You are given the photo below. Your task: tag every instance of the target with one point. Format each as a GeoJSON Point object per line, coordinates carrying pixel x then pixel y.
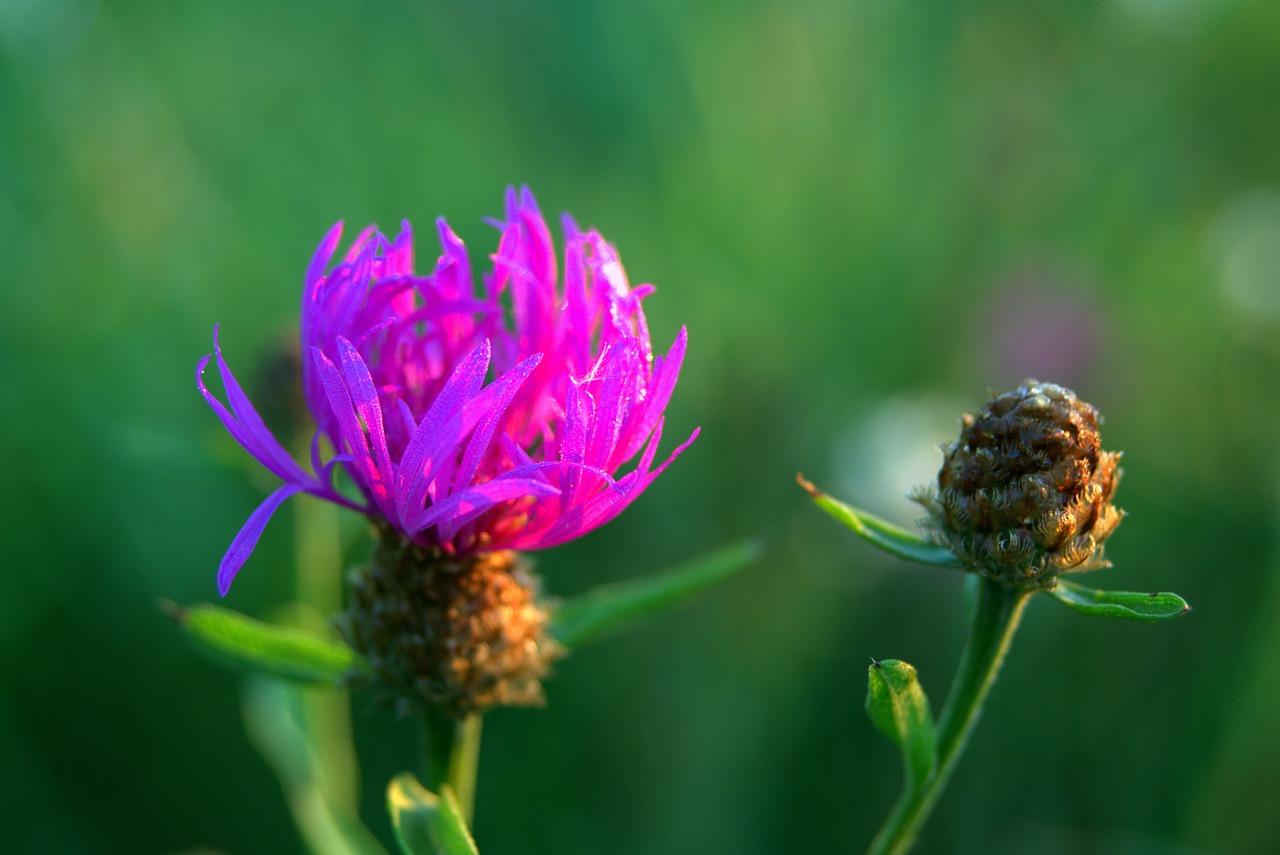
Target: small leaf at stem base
{"type": "Point", "coordinates": [897, 705]}
{"type": "Point", "coordinates": [1121, 604]}
{"type": "Point", "coordinates": [881, 533]}
{"type": "Point", "coordinates": [427, 824]}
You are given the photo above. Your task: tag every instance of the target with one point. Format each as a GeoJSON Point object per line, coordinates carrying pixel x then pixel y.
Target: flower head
{"type": "Point", "coordinates": [469, 422]}
{"type": "Point", "coordinates": [1026, 492]}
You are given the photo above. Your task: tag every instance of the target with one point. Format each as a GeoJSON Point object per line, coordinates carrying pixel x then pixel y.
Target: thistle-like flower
{"type": "Point", "coordinates": [453, 470]}
{"type": "Point", "coordinates": [1025, 494]}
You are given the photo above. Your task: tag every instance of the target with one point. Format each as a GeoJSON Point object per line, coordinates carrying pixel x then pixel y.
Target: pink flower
{"type": "Point", "coordinates": [394, 374]}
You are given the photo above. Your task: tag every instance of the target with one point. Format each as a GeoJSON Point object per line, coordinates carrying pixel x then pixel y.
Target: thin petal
{"type": "Point", "coordinates": [483, 434]}
{"type": "Point", "coordinates": [247, 538]}
{"type": "Point", "coordinates": [472, 501]}
{"type": "Point", "coordinates": [364, 397]}
{"type": "Point", "coordinates": [614, 386]}
{"type": "Point", "coordinates": [246, 426]}
{"type": "Point", "coordinates": [573, 442]}
{"type": "Point", "coordinates": [607, 504]}
{"type": "Point", "coordinates": [661, 385]}
{"type": "Point", "coordinates": [352, 434]}
{"type": "Point", "coordinates": [440, 427]}
{"type": "Point", "coordinates": [358, 246]}
{"type": "Point", "coordinates": [323, 254]}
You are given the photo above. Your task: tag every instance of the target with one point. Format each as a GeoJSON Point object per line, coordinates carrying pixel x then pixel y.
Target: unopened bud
{"type": "Point", "coordinates": [1025, 494]}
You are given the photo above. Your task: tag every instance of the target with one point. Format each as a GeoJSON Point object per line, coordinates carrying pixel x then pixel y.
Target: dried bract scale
{"type": "Point", "coordinates": [463, 634]}
{"type": "Point", "coordinates": [1025, 494]}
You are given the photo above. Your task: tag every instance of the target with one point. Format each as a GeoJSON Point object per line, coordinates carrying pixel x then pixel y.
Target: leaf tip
{"type": "Point", "coordinates": [808, 487]}
{"type": "Point", "coordinates": [172, 610]}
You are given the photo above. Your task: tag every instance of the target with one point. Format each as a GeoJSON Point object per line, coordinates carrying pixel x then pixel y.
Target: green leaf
{"type": "Point", "coordinates": [263, 647]}
{"type": "Point", "coordinates": [1121, 604]}
{"type": "Point", "coordinates": [412, 807]}
{"type": "Point", "coordinates": [281, 728]}
{"type": "Point", "coordinates": [897, 705]}
{"type": "Point", "coordinates": [882, 533]}
{"type": "Point", "coordinates": [427, 824]}
{"type": "Point", "coordinates": [609, 607]}
{"type": "Point", "coordinates": [451, 833]}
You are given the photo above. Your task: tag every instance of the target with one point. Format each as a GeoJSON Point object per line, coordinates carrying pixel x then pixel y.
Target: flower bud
{"type": "Point", "coordinates": [459, 633]}
{"type": "Point", "coordinates": [1025, 494]}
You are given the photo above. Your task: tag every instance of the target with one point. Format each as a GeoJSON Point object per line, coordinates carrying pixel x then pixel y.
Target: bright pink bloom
{"type": "Point", "coordinates": [394, 374]}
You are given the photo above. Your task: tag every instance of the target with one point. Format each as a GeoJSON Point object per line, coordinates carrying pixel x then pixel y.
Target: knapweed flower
{"type": "Point", "coordinates": [1025, 494]}
{"type": "Point", "coordinates": [470, 424]}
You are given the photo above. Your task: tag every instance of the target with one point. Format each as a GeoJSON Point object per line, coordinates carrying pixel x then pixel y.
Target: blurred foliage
{"type": "Point", "coordinates": [868, 213]}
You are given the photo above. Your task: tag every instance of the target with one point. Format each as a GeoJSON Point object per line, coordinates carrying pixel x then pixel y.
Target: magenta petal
{"type": "Point", "coordinates": [365, 399]}
{"type": "Point", "coordinates": [395, 375]}
{"type": "Point", "coordinates": [453, 269]}
{"type": "Point", "coordinates": [400, 253]}
{"type": "Point", "coordinates": [573, 443]}
{"type": "Point", "coordinates": [323, 254]}
{"type": "Point", "coordinates": [604, 506]}
{"type": "Point", "coordinates": [246, 426]}
{"type": "Point", "coordinates": [349, 425]}
{"type": "Point", "coordinates": [662, 384]}
{"type": "Point", "coordinates": [618, 371]}
{"type": "Point", "coordinates": [361, 244]}
{"type": "Point", "coordinates": [355, 285]}
{"type": "Point", "coordinates": [649, 453]}
{"type": "Point", "coordinates": [247, 538]}
{"type": "Point", "coordinates": [577, 305]}
{"type": "Point", "coordinates": [475, 500]}
{"type": "Point", "coordinates": [483, 434]}
{"type": "Point", "coordinates": [440, 429]}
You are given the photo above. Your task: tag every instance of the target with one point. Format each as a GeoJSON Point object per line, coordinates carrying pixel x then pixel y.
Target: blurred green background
{"type": "Point", "coordinates": [867, 213]}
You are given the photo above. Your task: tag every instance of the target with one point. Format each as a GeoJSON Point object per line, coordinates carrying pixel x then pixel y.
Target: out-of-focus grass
{"type": "Point", "coordinates": [861, 210]}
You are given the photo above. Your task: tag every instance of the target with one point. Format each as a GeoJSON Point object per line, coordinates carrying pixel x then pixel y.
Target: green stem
{"type": "Point", "coordinates": [436, 730]}
{"type": "Point", "coordinates": [992, 624]}
{"type": "Point", "coordinates": [450, 753]}
{"type": "Point", "coordinates": [463, 762]}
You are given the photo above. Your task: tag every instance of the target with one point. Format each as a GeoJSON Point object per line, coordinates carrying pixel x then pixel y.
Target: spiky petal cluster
{"type": "Point", "coordinates": [395, 370]}
{"type": "Point", "coordinates": [1026, 492]}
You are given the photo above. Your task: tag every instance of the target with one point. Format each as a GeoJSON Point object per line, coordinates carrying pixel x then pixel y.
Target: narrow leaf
{"type": "Point", "coordinates": [897, 705]}
{"type": "Point", "coordinates": [280, 726]}
{"type": "Point", "coordinates": [412, 807]}
{"type": "Point", "coordinates": [1121, 604]}
{"type": "Point", "coordinates": [263, 647]}
{"type": "Point", "coordinates": [881, 533]}
{"type": "Point", "coordinates": [451, 833]}
{"type": "Point", "coordinates": [609, 607]}
{"type": "Point", "coordinates": [427, 824]}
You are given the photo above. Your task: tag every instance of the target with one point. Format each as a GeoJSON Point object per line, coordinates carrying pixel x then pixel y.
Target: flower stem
{"type": "Point", "coordinates": [450, 753]}
{"type": "Point", "coordinates": [463, 762]}
{"type": "Point", "coordinates": [996, 613]}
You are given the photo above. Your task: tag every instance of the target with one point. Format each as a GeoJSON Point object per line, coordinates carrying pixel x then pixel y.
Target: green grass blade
{"type": "Point", "coordinates": [612, 607]}
{"type": "Point", "coordinates": [276, 720]}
